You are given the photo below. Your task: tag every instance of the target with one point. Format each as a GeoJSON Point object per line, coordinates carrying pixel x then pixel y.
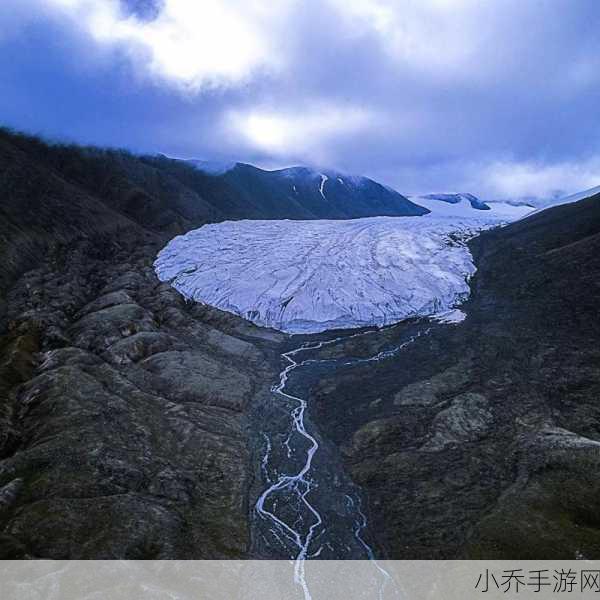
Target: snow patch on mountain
{"type": "Point", "coordinates": [579, 196]}
{"type": "Point", "coordinates": [324, 178]}
{"type": "Point", "coordinates": [456, 198]}
{"type": "Point", "coordinates": [454, 315]}
{"type": "Point", "coordinates": [310, 276]}
{"type": "Point", "coordinates": [501, 211]}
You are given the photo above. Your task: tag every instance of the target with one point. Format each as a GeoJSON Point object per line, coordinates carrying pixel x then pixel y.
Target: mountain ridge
{"type": "Point", "coordinates": [305, 192]}
{"type": "Point", "coordinates": [576, 197]}
{"type": "Point", "coordinates": [475, 202]}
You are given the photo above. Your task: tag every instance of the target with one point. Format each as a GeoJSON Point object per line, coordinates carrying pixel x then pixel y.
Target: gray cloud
{"type": "Point", "coordinates": [497, 98]}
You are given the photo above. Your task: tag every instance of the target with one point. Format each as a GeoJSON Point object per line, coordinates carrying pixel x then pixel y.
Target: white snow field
{"type": "Point", "coordinates": [310, 276]}
{"type": "Point", "coordinates": [501, 211]}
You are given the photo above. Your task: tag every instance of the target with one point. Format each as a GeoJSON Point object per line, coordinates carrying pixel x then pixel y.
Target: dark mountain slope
{"type": "Point", "coordinates": [175, 190]}
{"type": "Point", "coordinates": [301, 193]}
{"type": "Point", "coordinates": [245, 191]}
{"type": "Point", "coordinates": [39, 210]}
{"type": "Point", "coordinates": [123, 410]}
{"type": "Point", "coordinates": [52, 196]}
{"type": "Point", "coordinates": [482, 439]}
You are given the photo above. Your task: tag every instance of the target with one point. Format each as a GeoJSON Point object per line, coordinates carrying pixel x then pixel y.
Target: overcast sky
{"type": "Point", "coordinates": [499, 97]}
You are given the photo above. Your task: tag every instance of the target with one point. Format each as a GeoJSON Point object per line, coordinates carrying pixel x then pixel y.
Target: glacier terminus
{"type": "Point", "coordinates": [311, 276]}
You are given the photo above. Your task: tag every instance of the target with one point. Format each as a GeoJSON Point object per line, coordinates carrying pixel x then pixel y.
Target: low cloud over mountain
{"type": "Point", "coordinates": [430, 95]}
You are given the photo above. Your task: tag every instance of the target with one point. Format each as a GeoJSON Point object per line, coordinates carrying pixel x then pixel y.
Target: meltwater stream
{"type": "Point", "coordinates": [290, 506]}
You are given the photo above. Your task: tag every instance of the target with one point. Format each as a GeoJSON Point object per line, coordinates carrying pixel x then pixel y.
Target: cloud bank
{"type": "Point", "coordinates": [495, 98]}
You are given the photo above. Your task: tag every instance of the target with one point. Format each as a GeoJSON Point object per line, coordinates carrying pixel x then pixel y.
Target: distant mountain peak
{"type": "Point", "coordinates": [213, 167]}
{"type": "Point", "coordinates": [304, 192]}
{"type": "Point", "coordinates": [459, 197]}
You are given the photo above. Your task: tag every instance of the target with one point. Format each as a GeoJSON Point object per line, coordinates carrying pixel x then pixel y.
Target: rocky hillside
{"type": "Point", "coordinates": [123, 410]}
{"type": "Point", "coordinates": [126, 413]}
{"type": "Point", "coordinates": [481, 440]}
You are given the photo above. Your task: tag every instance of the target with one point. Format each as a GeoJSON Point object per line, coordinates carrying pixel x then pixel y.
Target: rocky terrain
{"type": "Point", "coordinates": [482, 440]}
{"type": "Point", "coordinates": [124, 421]}
{"type": "Point", "coordinates": [123, 410]}
{"type": "Point", "coordinates": [128, 416]}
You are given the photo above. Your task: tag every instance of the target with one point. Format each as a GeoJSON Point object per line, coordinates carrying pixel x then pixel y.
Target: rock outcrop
{"type": "Point", "coordinates": [124, 410]}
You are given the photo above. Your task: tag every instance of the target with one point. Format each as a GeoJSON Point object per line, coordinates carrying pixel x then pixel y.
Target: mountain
{"type": "Point", "coordinates": [468, 206]}
{"type": "Point", "coordinates": [305, 193]}
{"type": "Point", "coordinates": [456, 198]}
{"type": "Point", "coordinates": [93, 191]}
{"type": "Point", "coordinates": [568, 199]}
{"type": "Point", "coordinates": [125, 410]}
{"type": "Point", "coordinates": [131, 420]}
{"type": "Point", "coordinates": [578, 196]}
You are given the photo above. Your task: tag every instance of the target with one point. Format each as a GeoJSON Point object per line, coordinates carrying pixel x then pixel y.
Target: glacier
{"type": "Point", "coordinates": [312, 276]}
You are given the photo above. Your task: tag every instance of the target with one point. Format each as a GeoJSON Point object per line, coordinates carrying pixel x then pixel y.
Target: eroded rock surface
{"type": "Point", "coordinates": [124, 411]}
{"type": "Point", "coordinates": [128, 436]}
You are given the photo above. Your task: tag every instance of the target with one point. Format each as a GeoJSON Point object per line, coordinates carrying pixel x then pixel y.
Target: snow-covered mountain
{"type": "Point", "coordinates": [458, 198]}
{"type": "Point", "coordinates": [569, 199]}
{"type": "Point", "coordinates": [468, 206]}
{"type": "Point", "coordinates": [578, 196]}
